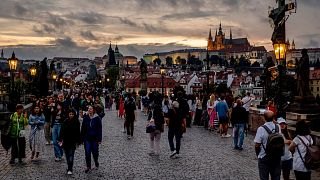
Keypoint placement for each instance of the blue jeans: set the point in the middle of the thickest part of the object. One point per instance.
(238, 135)
(91, 147)
(58, 152)
(69, 151)
(177, 135)
(266, 168)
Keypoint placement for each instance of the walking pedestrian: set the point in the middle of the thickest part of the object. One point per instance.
(69, 138)
(58, 119)
(211, 112)
(286, 159)
(91, 134)
(156, 117)
(130, 107)
(222, 111)
(17, 134)
(266, 164)
(238, 121)
(36, 121)
(177, 120)
(48, 113)
(299, 149)
(121, 107)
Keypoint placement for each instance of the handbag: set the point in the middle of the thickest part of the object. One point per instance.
(151, 127)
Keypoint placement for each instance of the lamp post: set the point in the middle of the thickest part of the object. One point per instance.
(33, 72)
(208, 70)
(13, 63)
(123, 80)
(278, 39)
(162, 72)
(54, 78)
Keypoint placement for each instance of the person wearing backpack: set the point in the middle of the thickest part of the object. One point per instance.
(269, 147)
(299, 149)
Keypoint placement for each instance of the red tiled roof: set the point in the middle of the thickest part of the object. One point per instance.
(153, 81)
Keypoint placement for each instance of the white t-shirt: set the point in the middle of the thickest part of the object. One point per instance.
(247, 102)
(287, 154)
(262, 137)
(298, 164)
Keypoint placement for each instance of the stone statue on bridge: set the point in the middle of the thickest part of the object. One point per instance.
(303, 73)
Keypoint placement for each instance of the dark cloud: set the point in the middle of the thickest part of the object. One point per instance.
(88, 35)
(44, 29)
(57, 20)
(20, 10)
(128, 22)
(313, 43)
(66, 42)
(192, 14)
(89, 17)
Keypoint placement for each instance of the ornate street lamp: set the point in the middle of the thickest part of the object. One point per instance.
(280, 50)
(33, 71)
(54, 78)
(123, 80)
(162, 72)
(13, 63)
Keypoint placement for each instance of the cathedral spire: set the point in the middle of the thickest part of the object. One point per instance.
(2, 57)
(220, 29)
(230, 34)
(293, 45)
(210, 42)
(116, 49)
(210, 36)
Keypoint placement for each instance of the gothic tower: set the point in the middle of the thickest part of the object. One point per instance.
(2, 56)
(210, 42)
(293, 45)
(111, 57)
(219, 39)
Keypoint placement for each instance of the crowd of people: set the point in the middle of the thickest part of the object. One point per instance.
(71, 120)
(62, 121)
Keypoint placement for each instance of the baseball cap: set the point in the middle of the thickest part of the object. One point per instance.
(175, 104)
(281, 120)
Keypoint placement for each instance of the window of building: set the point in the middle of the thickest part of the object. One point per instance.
(311, 88)
(317, 89)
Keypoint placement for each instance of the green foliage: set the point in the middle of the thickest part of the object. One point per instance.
(157, 61)
(43, 84)
(113, 75)
(169, 61)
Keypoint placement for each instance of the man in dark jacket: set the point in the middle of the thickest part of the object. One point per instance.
(238, 121)
(177, 120)
(130, 108)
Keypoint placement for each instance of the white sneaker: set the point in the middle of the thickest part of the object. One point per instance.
(173, 154)
(47, 143)
(128, 137)
(177, 156)
(227, 135)
(69, 172)
(222, 135)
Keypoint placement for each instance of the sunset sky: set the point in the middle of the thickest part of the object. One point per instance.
(84, 28)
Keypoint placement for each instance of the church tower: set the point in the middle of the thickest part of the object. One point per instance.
(293, 45)
(111, 57)
(210, 42)
(219, 39)
(2, 56)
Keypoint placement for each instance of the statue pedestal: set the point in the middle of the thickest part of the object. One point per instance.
(305, 108)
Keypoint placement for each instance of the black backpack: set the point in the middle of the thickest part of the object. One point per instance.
(275, 145)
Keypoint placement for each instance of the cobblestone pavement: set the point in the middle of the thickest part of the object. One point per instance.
(204, 155)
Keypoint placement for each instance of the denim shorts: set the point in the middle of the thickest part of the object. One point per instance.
(287, 164)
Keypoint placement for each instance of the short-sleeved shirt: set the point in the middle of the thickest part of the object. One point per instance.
(262, 137)
(298, 164)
